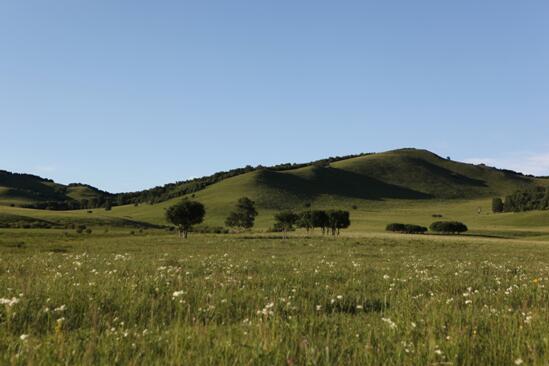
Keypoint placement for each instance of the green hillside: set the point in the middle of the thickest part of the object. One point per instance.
(23, 189)
(377, 188)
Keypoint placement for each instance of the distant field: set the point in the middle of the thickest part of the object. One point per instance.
(369, 216)
(363, 299)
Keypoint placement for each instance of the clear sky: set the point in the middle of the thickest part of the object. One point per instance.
(126, 95)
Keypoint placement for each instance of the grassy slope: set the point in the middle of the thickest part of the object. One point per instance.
(150, 299)
(374, 183)
(21, 189)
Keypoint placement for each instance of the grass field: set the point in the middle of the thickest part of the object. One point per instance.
(364, 299)
(132, 293)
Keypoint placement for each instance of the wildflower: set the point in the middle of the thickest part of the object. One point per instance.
(386, 277)
(389, 322)
(9, 302)
(61, 308)
(339, 297)
(177, 293)
(318, 307)
(23, 337)
(467, 302)
(519, 361)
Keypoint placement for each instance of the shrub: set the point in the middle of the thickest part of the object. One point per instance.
(204, 229)
(497, 205)
(448, 227)
(406, 228)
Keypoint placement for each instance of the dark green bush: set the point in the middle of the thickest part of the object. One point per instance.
(497, 205)
(448, 227)
(406, 228)
(204, 229)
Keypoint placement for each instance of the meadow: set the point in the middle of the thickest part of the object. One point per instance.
(255, 299)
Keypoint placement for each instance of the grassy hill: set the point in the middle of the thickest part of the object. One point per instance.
(401, 185)
(22, 189)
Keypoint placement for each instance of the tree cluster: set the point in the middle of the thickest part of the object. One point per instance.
(331, 221)
(524, 200)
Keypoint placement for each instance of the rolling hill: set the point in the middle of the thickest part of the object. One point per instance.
(23, 189)
(371, 182)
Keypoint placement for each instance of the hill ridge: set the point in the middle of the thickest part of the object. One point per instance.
(406, 173)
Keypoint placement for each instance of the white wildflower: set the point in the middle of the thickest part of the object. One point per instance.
(389, 322)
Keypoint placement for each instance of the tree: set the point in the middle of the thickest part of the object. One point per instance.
(108, 205)
(305, 220)
(448, 227)
(243, 215)
(338, 219)
(285, 221)
(320, 220)
(497, 205)
(185, 214)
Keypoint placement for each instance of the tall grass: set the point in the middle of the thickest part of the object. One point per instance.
(214, 300)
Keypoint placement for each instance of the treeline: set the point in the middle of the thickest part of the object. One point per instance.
(96, 202)
(523, 200)
(186, 214)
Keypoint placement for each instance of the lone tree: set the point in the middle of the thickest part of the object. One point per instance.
(285, 221)
(243, 215)
(497, 205)
(185, 214)
(338, 219)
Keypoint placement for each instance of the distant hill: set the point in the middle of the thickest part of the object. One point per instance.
(26, 189)
(398, 174)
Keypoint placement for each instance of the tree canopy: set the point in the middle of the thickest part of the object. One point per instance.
(186, 214)
(285, 221)
(243, 215)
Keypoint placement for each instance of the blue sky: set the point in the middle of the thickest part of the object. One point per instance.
(127, 95)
